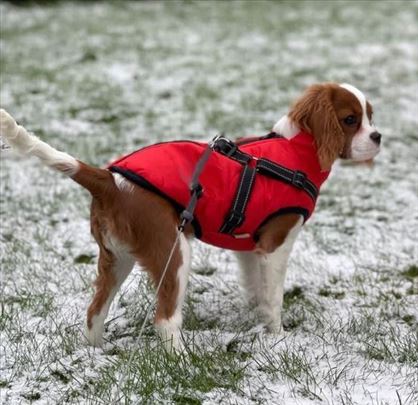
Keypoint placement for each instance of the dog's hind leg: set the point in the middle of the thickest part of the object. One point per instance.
(168, 316)
(113, 268)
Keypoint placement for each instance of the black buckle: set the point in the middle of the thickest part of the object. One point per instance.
(226, 146)
(196, 189)
(298, 179)
(236, 218)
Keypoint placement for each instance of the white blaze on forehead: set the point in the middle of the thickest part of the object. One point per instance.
(356, 92)
(361, 98)
(363, 146)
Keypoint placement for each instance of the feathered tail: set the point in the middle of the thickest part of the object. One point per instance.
(93, 179)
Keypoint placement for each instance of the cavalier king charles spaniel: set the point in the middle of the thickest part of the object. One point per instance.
(133, 224)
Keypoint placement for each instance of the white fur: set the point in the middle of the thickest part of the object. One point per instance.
(124, 263)
(286, 127)
(359, 95)
(95, 334)
(362, 146)
(250, 274)
(28, 144)
(169, 329)
(122, 183)
(263, 278)
(262, 275)
(183, 271)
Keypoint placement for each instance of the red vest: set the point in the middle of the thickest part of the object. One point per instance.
(167, 168)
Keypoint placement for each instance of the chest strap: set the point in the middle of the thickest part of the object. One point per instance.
(236, 215)
(266, 167)
(296, 178)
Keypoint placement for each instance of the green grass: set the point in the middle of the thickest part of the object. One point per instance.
(411, 272)
(100, 79)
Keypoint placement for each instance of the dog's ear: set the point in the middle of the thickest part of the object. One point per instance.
(314, 112)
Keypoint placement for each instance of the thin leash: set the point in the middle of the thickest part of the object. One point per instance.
(186, 217)
(124, 376)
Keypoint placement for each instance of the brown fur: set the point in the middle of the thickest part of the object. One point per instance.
(320, 111)
(137, 225)
(274, 232)
(146, 223)
(105, 281)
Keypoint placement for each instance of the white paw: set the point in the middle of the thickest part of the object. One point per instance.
(8, 125)
(275, 328)
(169, 331)
(94, 335)
(173, 345)
(271, 319)
(171, 339)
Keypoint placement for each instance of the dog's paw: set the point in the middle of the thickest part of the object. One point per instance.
(172, 343)
(174, 346)
(8, 125)
(275, 328)
(94, 335)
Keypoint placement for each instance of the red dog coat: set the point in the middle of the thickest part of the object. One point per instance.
(167, 169)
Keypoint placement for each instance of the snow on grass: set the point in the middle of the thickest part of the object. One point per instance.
(99, 79)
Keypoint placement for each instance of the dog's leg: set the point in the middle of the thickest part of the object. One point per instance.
(250, 275)
(272, 277)
(113, 268)
(168, 317)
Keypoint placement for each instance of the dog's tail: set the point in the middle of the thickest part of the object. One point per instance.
(93, 179)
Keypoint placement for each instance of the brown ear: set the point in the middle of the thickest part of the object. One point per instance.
(314, 112)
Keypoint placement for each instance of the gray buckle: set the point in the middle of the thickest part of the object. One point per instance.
(298, 179)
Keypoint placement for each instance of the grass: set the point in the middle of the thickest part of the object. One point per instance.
(411, 272)
(189, 375)
(100, 79)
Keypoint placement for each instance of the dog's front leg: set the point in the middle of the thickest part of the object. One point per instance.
(273, 268)
(249, 263)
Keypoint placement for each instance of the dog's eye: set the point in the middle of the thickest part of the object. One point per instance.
(350, 120)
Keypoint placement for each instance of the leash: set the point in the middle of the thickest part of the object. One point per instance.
(195, 187)
(124, 376)
(196, 191)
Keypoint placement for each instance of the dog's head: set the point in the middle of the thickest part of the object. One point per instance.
(340, 119)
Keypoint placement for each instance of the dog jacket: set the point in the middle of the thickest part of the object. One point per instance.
(243, 185)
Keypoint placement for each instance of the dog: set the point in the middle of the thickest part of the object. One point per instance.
(135, 223)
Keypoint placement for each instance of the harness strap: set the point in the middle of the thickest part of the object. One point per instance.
(196, 189)
(296, 178)
(266, 167)
(230, 149)
(236, 215)
(247, 140)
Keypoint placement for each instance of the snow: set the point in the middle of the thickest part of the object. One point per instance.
(97, 80)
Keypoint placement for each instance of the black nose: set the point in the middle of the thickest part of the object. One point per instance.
(376, 137)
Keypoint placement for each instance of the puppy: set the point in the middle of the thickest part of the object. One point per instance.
(251, 201)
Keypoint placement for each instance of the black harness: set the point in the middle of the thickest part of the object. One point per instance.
(266, 167)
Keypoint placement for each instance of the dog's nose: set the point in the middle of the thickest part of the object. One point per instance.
(376, 137)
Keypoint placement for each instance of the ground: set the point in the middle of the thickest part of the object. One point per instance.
(100, 79)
